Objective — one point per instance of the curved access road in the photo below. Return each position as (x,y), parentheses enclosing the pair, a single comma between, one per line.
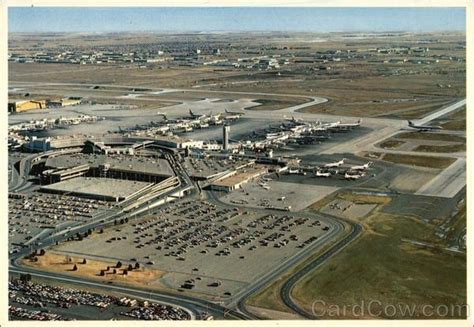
(285,291)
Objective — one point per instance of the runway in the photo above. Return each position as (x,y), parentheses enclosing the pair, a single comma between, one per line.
(448,183)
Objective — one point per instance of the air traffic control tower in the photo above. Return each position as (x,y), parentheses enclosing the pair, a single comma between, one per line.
(225,137)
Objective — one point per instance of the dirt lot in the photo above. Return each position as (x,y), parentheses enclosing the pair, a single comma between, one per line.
(58,263)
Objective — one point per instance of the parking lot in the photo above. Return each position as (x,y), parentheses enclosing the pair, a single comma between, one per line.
(268,193)
(29,215)
(204,248)
(35,301)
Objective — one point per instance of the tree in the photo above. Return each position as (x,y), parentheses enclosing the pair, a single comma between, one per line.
(101,231)
(137,265)
(74,268)
(84,261)
(122,221)
(114,271)
(130,267)
(125,272)
(42,252)
(126,219)
(102,273)
(118,265)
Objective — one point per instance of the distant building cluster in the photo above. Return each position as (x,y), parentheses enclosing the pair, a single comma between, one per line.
(21,105)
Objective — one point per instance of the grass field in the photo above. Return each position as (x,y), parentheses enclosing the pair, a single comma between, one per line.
(421,161)
(391,144)
(431,137)
(379,267)
(441,148)
(457,120)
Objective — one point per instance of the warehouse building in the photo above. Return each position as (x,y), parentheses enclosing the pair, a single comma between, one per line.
(235,181)
(15,106)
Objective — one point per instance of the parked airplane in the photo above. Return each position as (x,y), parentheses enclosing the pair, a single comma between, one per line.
(198,116)
(362,167)
(293,119)
(331,125)
(353,177)
(349,125)
(335,164)
(422,128)
(297,172)
(321,174)
(236,113)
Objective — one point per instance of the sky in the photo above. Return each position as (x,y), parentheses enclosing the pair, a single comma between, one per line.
(63,19)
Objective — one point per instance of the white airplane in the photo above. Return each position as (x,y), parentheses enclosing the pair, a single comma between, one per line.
(293,119)
(353,177)
(335,164)
(197,116)
(422,128)
(321,174)
(297,172)
(349,125)
(233,114)
(362,167)
(332,125)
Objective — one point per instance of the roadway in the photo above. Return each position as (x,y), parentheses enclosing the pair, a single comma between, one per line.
(383,128)
(286,289)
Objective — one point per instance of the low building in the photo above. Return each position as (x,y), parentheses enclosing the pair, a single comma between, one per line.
(236,180)
(25,105)
(71,101)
